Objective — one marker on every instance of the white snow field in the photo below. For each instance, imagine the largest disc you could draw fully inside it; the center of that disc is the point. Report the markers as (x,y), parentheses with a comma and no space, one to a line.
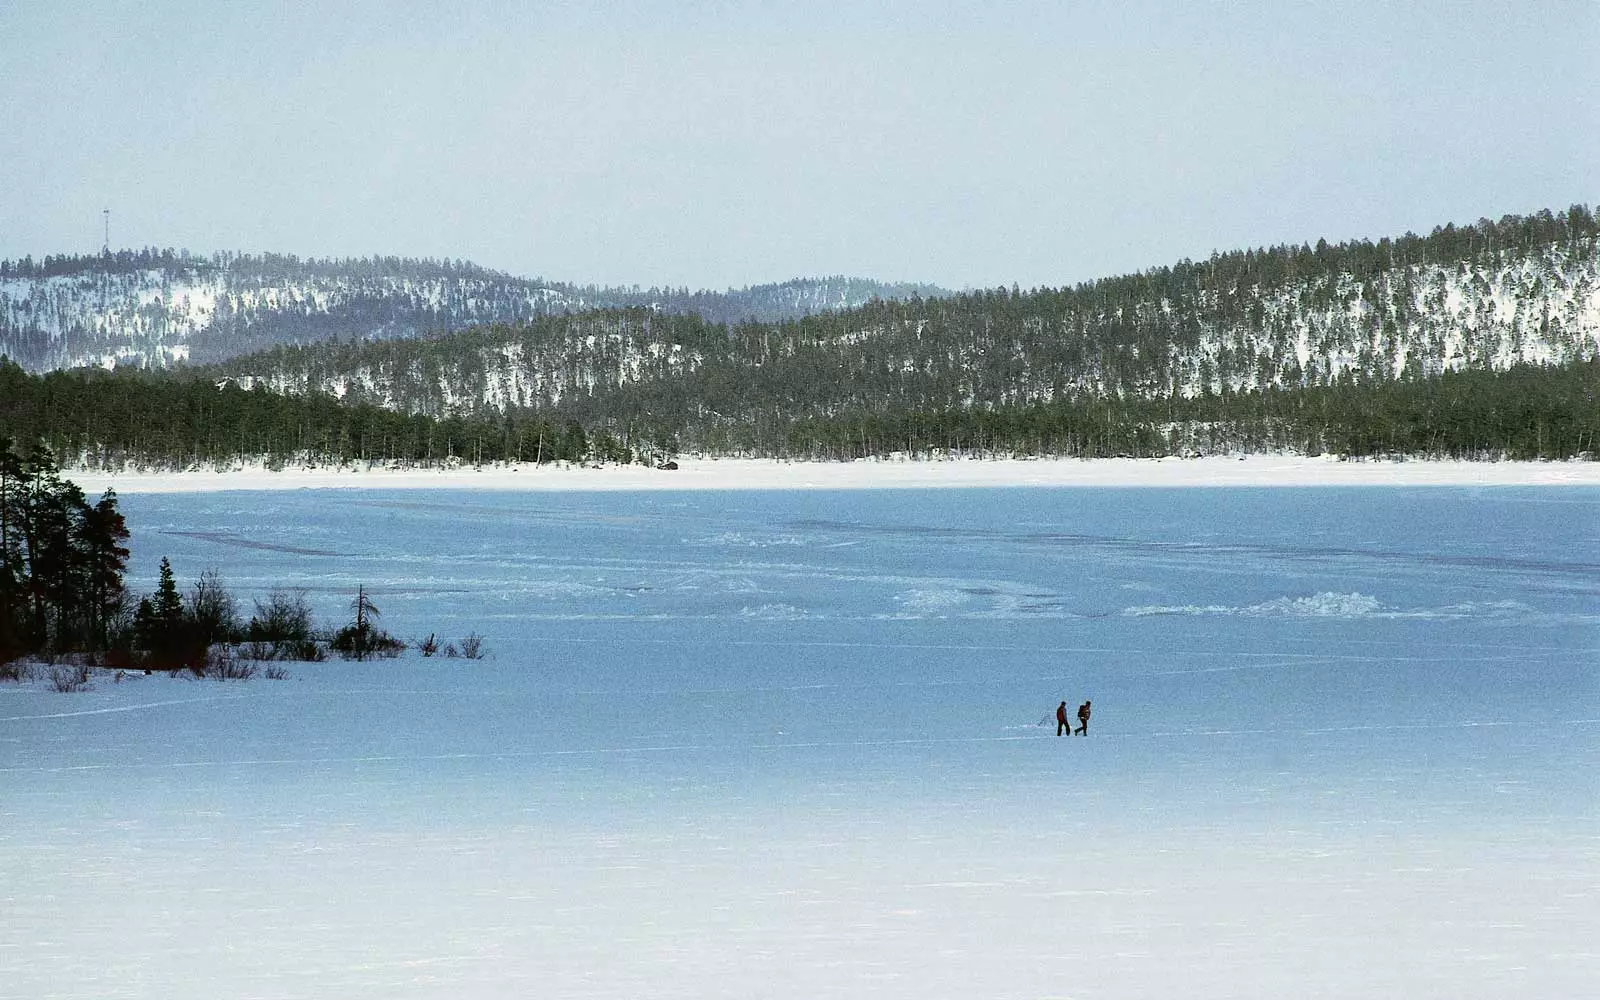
(788,744)
(695,473)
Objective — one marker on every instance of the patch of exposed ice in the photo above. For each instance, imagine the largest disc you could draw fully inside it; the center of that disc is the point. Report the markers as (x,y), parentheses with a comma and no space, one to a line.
(930,601)
(563,589)
(774,612)
(1332,605)
(742,540)
(1323,605)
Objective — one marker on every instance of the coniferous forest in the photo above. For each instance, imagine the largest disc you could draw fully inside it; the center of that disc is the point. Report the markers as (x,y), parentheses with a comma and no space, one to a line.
(135,418)
(1473,342)
(115,420)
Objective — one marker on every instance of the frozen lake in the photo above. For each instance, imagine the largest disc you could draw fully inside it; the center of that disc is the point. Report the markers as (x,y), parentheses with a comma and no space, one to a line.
(787,744)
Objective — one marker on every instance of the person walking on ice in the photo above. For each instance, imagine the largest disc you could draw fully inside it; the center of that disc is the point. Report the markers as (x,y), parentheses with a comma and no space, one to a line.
(1083,718)
(1062,725)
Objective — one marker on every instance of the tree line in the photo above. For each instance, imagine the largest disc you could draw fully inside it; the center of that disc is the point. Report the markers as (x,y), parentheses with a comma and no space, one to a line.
(263,265)
(117,419)
(1526,413)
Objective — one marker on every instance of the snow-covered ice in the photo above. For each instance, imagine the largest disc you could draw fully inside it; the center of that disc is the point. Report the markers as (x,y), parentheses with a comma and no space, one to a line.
(891,473)
(788,744)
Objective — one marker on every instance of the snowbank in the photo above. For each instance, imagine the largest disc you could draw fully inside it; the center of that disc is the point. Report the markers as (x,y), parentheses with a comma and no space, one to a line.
(748,473)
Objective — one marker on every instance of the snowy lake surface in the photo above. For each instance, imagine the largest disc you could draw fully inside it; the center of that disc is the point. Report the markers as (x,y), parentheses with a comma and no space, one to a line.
(1345,743)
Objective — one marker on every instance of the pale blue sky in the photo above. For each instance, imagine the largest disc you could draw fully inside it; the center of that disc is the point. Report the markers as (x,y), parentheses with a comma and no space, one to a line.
(710,144)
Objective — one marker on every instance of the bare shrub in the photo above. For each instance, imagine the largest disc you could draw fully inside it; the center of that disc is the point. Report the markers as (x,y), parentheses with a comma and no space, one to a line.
(16,670)
(222,665)
(428,646)
(261,650)
(472,646)
(285,617)
(277,674)
(69,677)
(450,651)
(212,612)
(308,651)
(235,670)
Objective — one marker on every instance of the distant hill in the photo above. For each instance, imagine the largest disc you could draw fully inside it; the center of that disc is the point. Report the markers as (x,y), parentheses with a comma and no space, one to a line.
(154,308)
(1521,291)
(1478,341)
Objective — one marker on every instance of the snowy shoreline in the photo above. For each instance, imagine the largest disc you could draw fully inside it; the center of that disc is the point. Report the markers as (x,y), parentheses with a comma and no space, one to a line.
(768,474)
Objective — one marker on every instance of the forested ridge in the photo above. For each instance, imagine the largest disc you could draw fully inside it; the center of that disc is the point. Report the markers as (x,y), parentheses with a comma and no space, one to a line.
(1525,290)
(157,308)
(1478,341)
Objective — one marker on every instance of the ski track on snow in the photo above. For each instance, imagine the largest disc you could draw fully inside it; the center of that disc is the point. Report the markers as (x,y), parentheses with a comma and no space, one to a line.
(114,709)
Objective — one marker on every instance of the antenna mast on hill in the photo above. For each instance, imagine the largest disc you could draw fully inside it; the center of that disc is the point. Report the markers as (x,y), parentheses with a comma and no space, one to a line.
(106,247)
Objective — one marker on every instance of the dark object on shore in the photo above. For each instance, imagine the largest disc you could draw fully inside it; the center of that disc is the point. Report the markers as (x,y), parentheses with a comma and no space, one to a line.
(670,466)
(361,639)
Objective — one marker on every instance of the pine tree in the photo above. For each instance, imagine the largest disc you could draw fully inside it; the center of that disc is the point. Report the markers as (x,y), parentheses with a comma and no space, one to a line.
(53,511)
(104,560)
(13,590)
(168,603)
(158,624)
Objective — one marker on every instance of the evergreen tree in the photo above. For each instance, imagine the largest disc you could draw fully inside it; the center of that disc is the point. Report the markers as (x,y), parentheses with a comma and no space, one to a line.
(104,559)
(53,512)
(13,574)
(159,626)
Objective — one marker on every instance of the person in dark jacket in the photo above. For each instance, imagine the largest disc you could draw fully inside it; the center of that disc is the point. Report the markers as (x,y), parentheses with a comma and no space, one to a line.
(1083,719)
(1062,725)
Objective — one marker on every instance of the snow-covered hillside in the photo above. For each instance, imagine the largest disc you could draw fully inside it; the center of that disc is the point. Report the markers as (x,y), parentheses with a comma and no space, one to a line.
(1179,336)
(167,308)
(157,316)
(534,366)
(1539,308)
